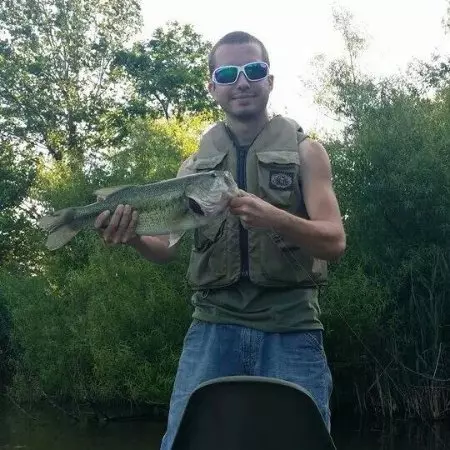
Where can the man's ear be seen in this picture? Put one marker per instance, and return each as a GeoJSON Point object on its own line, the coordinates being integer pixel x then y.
{"type": "Point", "coordinates": [211, 89]}
{"type": "Point", "coordinates": [270, 79]}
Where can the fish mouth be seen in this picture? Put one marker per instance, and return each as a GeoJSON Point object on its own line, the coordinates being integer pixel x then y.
{"type": "Point", "coordinates": [213, 208]}
{"type": "Point", "coordinates": [195, 207]}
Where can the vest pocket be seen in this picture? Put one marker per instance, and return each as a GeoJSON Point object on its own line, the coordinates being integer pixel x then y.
{"type": "Point", "coordinates": [208, 262]}
{"type": "Point", "coordinates": [284, 263]}
{"type": "Point", "coordinates": [207, 266]}
{"type": "Point", "coordinates": [278, 176]}
{"type": "Point", "coordinates": [210, 163]}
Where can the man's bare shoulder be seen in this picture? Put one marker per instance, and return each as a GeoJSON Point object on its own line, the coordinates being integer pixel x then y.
{"type": "Point", "coordinates": [314, 157]}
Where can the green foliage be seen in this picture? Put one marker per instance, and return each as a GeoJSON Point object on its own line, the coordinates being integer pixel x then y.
{"type": "Point", "coordinates": [356, 311]}
{"type": "Point", "coordinates": [57, 81]}
{"type": "Point", "coordinates": [138, 316]}
{"type": "Point", "coordinates": [169, 72]}
{"type": "Point", "coordinates": [149, 154]}
{"type": "Point", "coordinates": [112, 330]}
{"type": "Point", "coordinates": [17, 173]}
{"type": "Point", "coordinates": [16, 176]}
{"type": "Point", "coordinates": [392, 177]}
{"type": "Point", "coordinates": [5, 342]}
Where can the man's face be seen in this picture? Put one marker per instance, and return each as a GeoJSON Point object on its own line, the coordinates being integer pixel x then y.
{"type": "Point", "coordinates": [243, 99]}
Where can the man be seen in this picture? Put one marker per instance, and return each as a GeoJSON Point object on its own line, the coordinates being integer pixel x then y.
{"type": "Point", "coordinates": [256, 281]}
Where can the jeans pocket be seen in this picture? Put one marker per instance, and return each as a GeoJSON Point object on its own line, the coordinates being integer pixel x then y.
{"type": "Point", "coordinates": [314, 339]}
{"type": "Point", "coordinates": [191, 332]}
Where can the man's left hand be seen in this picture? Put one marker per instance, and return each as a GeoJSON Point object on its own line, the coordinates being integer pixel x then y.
{"type": "Point", "coordinates": [254, 211]}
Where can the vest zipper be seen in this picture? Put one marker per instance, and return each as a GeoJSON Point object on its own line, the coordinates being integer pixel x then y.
{"type": "Point", "coordinates": [243, 234]}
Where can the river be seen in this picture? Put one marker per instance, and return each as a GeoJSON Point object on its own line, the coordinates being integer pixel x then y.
{"type": "Point", "coordinates": [49, 429]}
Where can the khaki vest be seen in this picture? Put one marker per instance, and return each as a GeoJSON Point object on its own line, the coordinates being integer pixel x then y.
{"type": "Point", "coordinates": [272, 173]}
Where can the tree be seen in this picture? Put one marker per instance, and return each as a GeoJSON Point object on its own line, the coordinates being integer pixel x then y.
{"type": "Point", "coordinates": [17, 173]}
{"type": "Point", "coordinates": [169, 72]}
{"type": "Point", "coordinates": [57, 84]}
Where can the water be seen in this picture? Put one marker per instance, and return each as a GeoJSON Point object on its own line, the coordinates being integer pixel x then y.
{"type": "Point", "coordinates": [413, 435]}
{"type": "Point", "coordinates": [50, 430]}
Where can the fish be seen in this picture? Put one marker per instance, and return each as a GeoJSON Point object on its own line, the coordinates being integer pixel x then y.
{"type": "Point", "coordinates": [167, 207]}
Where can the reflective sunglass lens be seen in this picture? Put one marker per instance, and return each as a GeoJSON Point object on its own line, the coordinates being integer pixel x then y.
{"type": "Point", "coordinates": [226, 74]}
{"type": "Point", "coordinates": [256, 71]}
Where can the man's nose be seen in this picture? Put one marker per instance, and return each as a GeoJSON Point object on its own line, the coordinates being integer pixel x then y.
{"type": "Point", "coordinates": [242, 82]}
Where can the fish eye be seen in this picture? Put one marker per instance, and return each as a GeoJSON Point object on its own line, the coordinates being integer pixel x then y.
{"type": "Point", "coordinates": [195, 207]}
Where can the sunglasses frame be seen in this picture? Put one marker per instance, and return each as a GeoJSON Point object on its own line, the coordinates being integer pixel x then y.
{"type": "Point", "coordinates": [240, 69]}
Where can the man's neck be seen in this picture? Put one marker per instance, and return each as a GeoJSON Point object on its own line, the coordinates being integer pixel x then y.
{"type": "Point", "coordinates": [246, 131]}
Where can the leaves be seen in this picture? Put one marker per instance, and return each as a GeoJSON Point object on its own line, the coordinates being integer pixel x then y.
{"type": "Point", "coordinates": [392, 178]}
{"type": "Point", "coordinates": [55, 70]}
{"type": "Point", "coordinates": [169, 72]}
{"type": "Point", "coordinates": [17, 173]}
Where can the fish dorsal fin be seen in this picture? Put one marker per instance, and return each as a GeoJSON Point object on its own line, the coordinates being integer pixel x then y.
{"type": "Point", "coordinates": [103, 193]}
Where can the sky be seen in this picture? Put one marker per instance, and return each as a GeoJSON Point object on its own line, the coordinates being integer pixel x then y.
{"type": "Point", "coordinates": [294, 32]}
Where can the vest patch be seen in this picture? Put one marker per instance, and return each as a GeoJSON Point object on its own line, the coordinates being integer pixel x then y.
{"type": "Point", "coordinates": [283, 181]}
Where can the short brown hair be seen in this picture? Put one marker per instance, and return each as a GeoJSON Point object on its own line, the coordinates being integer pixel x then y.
{"type": "Point", "coordinates": [236, 37]}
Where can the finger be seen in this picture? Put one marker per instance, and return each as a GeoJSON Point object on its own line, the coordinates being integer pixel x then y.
{"type": "Point", "coordinates": [245, 221]}
{"type": "Point", "coordinates": [123, 224]}
{"type": "Point", "coordinates": [241, 209]}
{"type": "Point", "coordinates": [111, 229]}
{"type": "Point", "coordinates": [236, 210]}
{"type": "Point", "coordinates": [102, 219]}
{"type": "Point", "coordinates": [131, 230]}
{"type": "Point", "coordinates": [237, 202]}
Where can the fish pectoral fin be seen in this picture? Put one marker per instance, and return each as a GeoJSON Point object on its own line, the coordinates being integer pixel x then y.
{"type": "Point", "coordinates": [103, 193]}
{"type": "Point", "coordinates": [174, 238]}
{"type": "Point", "coordinates": [61, 236]}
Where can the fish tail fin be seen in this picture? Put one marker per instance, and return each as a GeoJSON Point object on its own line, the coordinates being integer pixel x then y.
{"type": "Point", "coordinates": [60, 227]}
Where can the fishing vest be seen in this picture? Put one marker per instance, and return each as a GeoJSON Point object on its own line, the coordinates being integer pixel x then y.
{"type": "Point", "coordinates": [270, 169]}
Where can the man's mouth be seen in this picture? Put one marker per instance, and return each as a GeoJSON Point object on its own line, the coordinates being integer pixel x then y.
{"type": "Point", "coordinates": [242, 97]}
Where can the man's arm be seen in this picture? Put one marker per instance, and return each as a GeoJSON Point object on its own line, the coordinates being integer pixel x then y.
{"type": "Point", "coordinates": [322, 236]}
{"type": "Point", "coordinates": [154, 248]}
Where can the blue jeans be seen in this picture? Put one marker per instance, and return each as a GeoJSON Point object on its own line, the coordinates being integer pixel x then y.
{"type": "Point", "coordinates": [216, 350]}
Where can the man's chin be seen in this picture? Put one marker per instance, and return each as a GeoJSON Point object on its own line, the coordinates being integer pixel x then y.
{"type": "Point", "coordinates": [245, 114]}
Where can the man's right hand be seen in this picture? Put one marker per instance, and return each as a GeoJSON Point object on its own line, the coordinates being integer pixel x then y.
{"type": "Point", "coordinates": [120, 228]}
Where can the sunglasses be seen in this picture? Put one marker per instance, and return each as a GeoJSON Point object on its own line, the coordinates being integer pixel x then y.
{"type": "Point", "coordinates": [253, 71]}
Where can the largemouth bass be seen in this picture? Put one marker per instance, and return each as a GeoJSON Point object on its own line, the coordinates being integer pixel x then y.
{"type": "Point", "coordinates": [169, 207]}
